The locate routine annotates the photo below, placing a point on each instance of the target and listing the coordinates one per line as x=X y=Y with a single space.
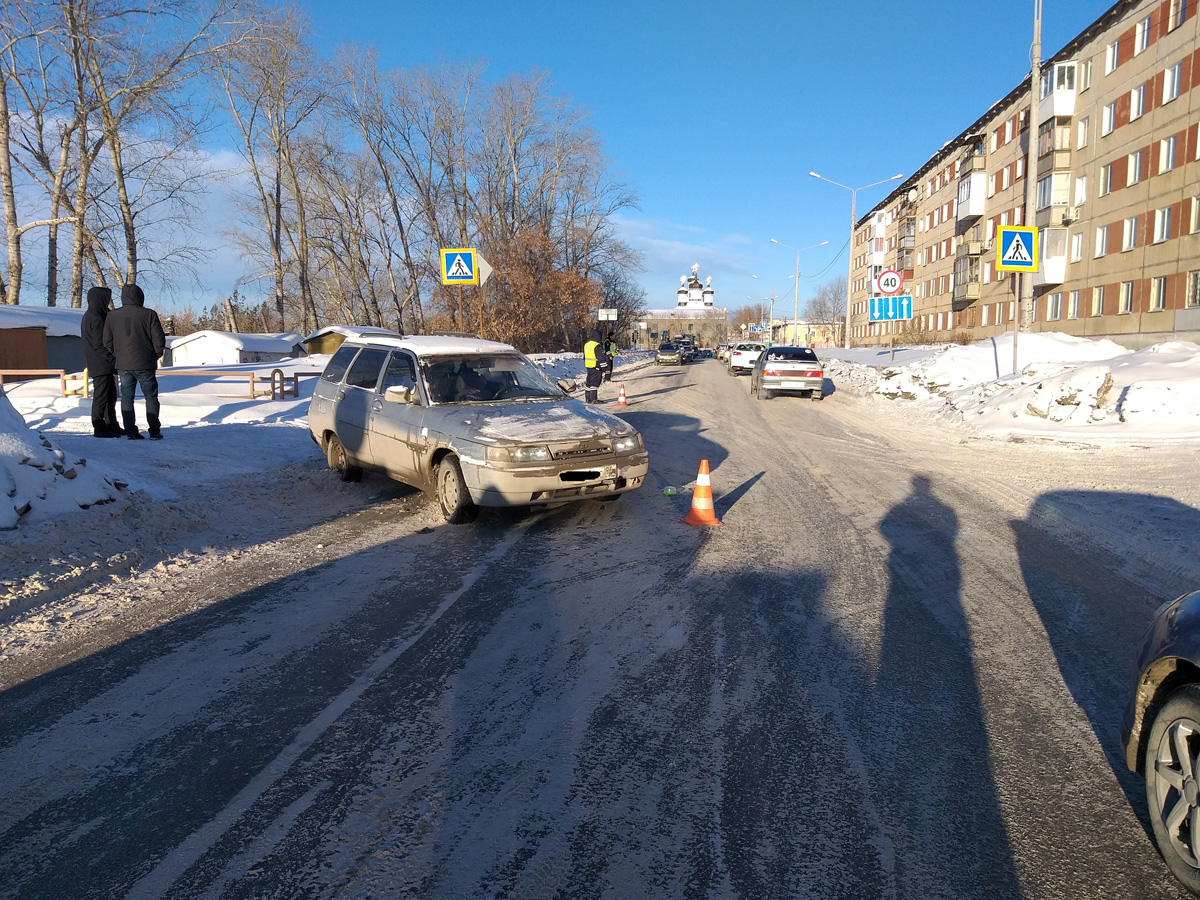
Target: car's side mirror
x=399 y=394
x=567 y=386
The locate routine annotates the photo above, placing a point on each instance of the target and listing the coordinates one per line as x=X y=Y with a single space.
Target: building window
x=1108 y=119
x=1177 y=14
x=1162 y=224
x=1106 y=180
x=1073 y=305
x=1192 y=297
x=1098 y=301
x=1135 y=168
x=1158 y=293
x=1052 y=190
x=1141 y=36
x=1005 y=178
x=1081 y=132
x=1085 y=75
x=1081 y=190
x=1137 y=102
x=1171 y=82
x=983 y=315
x=1195 y=214
x=1004 y=217
x=1110 y=57
x=1129 y=236
x=1101 y=240
x=1008 y=131
x=1166 y=154
x=1076 y=247
x=1054 y=306
x=987 y=273
x=1126 y=298
x=995 y=144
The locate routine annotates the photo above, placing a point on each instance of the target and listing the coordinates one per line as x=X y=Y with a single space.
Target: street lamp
x=796 y=311
x=850 y=248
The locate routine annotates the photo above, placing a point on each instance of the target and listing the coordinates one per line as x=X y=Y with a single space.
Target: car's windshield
x=666 y=347
x=486 y=379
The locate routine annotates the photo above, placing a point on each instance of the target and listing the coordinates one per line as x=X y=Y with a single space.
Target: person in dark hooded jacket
x=100 y=364
x=135 y=338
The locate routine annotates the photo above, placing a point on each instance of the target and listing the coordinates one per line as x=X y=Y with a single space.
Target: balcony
x=968 y=248
x=1055 y=216
x=975 y=161
x=972 y=196
x=1052 y=257
x=1057 y=97
x=965 y=294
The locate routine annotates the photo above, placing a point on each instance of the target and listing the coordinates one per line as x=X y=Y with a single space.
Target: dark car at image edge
x=1160 y=733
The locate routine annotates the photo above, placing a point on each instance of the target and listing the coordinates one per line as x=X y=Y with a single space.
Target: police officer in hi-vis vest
x=593 y=358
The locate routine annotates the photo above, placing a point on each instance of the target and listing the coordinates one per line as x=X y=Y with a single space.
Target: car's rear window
x=339 y=363
x=803 y=354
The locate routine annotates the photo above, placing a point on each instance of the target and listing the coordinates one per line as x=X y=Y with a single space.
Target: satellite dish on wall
x=912 y=196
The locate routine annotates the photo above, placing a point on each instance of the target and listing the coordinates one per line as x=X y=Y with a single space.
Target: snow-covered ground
x=60 y=484
x=1065 y=387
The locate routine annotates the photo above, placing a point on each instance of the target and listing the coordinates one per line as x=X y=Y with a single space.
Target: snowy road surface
x=896 y=671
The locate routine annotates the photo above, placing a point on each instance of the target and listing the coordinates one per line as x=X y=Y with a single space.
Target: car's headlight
x=518 y=454
x=627 y=444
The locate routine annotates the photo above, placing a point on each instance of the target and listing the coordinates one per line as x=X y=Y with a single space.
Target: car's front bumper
x=560 y=481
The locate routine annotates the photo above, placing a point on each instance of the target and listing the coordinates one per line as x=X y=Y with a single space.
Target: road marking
x=172 y=866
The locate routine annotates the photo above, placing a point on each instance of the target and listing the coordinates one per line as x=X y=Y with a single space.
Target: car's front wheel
x=457 y=506
x=1172 y=785
x=335 y=453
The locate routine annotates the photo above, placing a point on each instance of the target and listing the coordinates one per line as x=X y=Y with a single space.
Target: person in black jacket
x=100 y=364
x=134 y=336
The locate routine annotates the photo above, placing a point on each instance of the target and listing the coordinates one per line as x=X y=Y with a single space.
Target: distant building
x=1117 y=200
x=694 y=313
x=41 y=337
x=329 y=338
x=223 y=348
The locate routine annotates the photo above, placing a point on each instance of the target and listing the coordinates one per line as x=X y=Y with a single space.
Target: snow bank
x=1065 y=387
x=38 y=480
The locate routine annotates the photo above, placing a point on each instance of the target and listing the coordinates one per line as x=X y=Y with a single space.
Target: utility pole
x=1025 y=297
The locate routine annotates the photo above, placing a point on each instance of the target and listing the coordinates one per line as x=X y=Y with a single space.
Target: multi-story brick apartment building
x=1118 y=197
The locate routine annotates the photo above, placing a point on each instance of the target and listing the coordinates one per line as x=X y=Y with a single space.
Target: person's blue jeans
x=148 y=381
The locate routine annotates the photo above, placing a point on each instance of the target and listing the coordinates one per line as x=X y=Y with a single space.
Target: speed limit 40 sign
x=889 y=282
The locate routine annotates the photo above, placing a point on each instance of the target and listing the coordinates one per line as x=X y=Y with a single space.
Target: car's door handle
x=377 y=405
x=341 y=395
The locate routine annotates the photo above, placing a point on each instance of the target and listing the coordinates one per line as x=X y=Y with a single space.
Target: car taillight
x=774 y=373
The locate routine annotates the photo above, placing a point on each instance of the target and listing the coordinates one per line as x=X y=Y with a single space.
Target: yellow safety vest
x=589 y=354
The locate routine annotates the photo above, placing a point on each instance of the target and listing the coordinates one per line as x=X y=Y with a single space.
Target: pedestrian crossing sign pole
x=1018 y=249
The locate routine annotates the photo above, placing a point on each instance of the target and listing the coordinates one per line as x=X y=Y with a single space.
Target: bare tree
x=828 y=306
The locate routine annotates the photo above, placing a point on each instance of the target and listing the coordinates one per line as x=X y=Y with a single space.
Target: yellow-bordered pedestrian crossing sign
x=459 y=266
x=1018 y=249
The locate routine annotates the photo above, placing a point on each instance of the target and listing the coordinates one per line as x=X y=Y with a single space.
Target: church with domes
x=694 y=314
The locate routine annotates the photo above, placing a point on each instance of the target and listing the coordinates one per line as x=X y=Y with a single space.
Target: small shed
x=41 y=337
x=329 y=338
x=225 y=348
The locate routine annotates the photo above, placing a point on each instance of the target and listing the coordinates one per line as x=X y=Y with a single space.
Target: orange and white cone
x=621 y=396
x=702 y=512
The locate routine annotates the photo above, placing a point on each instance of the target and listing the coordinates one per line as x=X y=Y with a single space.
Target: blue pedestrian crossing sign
x=459 y=266
x=888 y=309
x=1018 y=249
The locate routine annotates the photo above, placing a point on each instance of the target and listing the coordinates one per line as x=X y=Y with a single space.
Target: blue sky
x=715 y=112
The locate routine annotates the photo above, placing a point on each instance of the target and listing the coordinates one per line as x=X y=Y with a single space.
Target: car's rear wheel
x=763 y=394
x=1173 y=783
x=817 y=394
x=457 y=506
x=335 y=453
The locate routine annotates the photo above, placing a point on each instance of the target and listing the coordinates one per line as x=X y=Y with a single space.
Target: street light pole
x=1025 y=296
x=796 y=310
x=850 y=248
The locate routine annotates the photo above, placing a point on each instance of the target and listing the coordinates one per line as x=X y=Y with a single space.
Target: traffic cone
x=621 y=396
x=702 y=512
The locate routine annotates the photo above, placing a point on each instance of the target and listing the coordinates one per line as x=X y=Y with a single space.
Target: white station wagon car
x=473 y=421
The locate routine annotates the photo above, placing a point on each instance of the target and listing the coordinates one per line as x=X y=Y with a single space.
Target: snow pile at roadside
x=1066 y=386
x=41 y=481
